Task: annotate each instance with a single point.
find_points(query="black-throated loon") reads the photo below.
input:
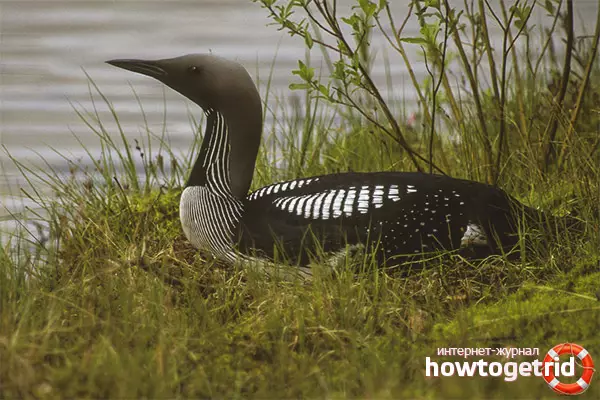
(399, 213)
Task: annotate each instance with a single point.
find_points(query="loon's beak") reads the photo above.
(150, 68)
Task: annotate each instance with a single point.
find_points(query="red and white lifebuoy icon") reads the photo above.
(568, 388)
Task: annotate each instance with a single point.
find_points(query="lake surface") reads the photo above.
(45, 47)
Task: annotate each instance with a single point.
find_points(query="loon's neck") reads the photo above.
(212, 167)
(228, 153)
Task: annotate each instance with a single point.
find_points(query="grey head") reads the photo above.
(210, 81)
(215, 84)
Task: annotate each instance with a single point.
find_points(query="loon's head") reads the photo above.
(218, 86)
(212, 82)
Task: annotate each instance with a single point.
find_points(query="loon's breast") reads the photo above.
(209, 220)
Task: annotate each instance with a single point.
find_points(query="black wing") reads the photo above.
(403, 213)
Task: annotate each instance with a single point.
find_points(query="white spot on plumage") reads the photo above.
(318, 205)
(293, 184)
(473, 235)
(363, 200)
(300, 205)
(410, 189)
(285, 202)
(327, 203)
(337, 203)
(292, 207)
(278, 201)
(285, 186)
(308, 205)
(378, 197)
(363, 195)
(393, 193)
(349, 201)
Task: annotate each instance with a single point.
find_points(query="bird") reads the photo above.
(396, 215)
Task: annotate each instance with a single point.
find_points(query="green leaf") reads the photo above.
(429, 32)
(368, 7)
(414, 40)
(519, 24)
(353, 21)
(306, 73)
(299, 86)
(308, 39)
(324, 90)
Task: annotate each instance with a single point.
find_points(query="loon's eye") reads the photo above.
(194, 69)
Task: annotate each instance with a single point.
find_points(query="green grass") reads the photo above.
(116, 303)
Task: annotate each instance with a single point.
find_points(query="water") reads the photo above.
(45, 46)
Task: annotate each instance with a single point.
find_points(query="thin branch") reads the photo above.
(295, 31)
(316, 21)
(586, 79)
(438, 85)
(382, 103)
(477, 100)
(399, 47)
(549, 40)
(522, 26)
(506, 48)
(558, 100)
(489, 51)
